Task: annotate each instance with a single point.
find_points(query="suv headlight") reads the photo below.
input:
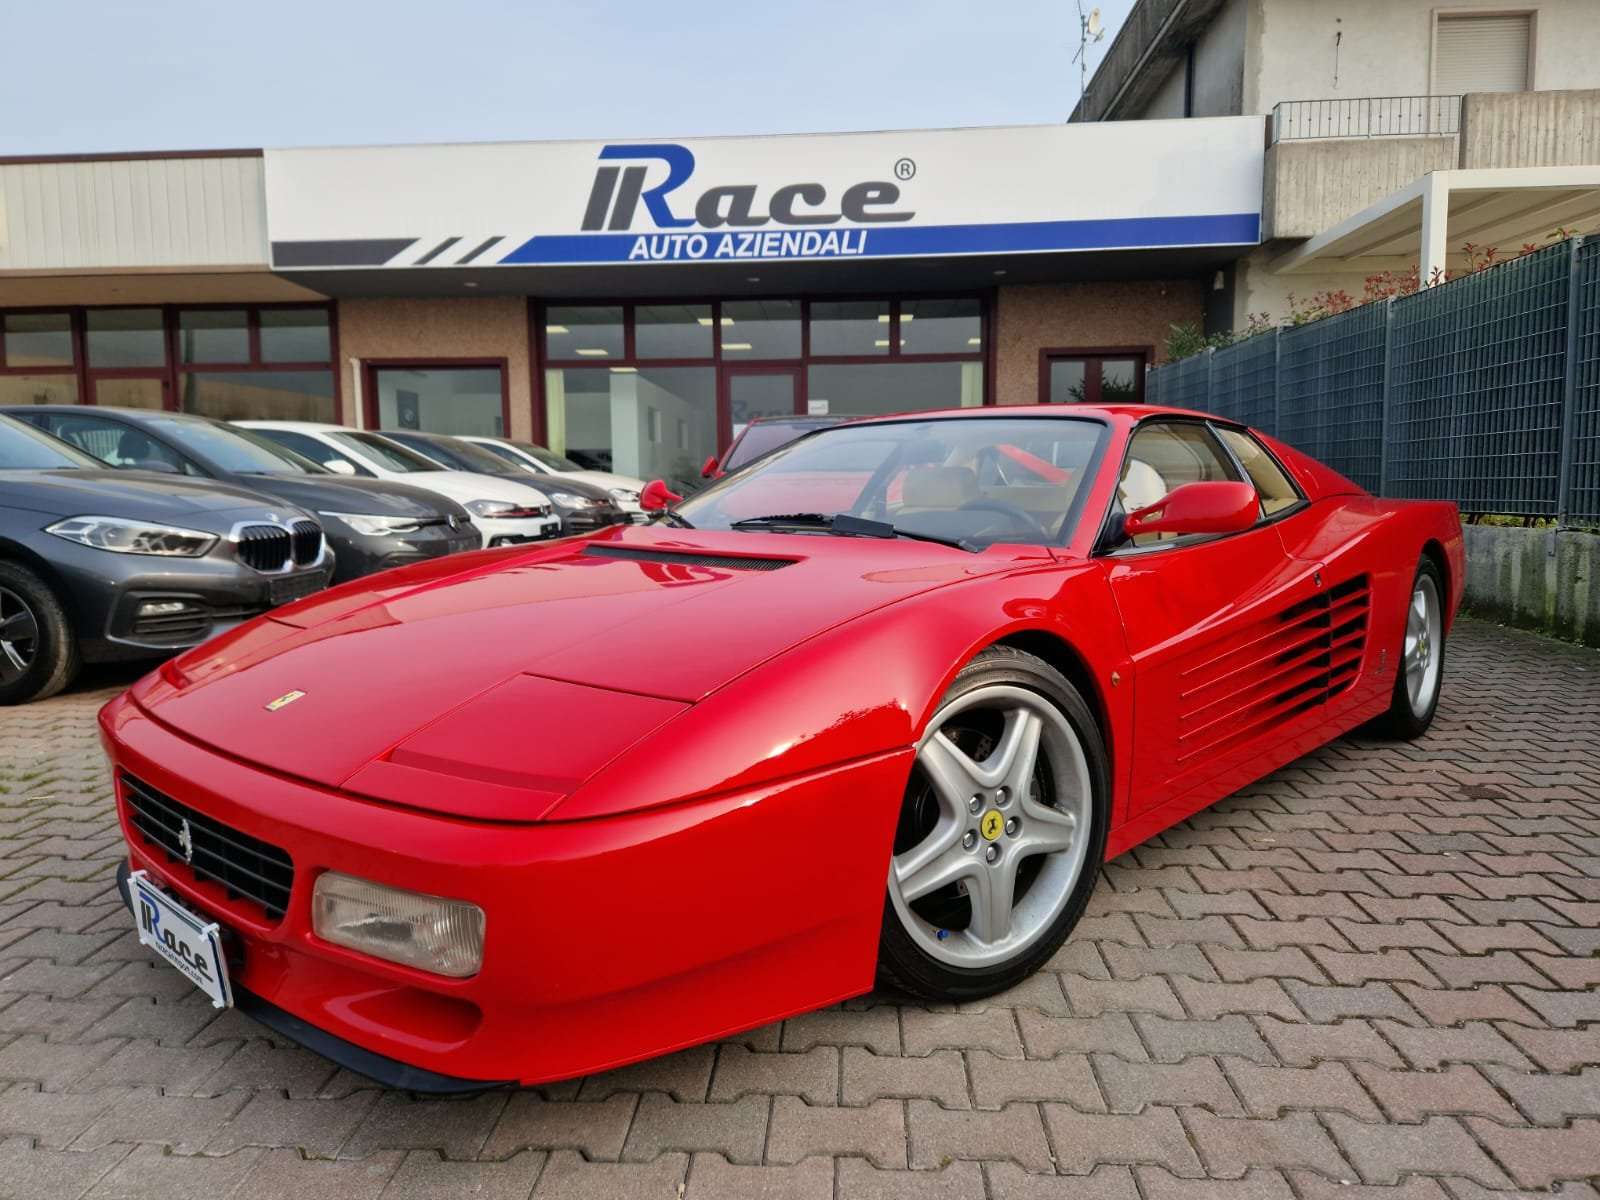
(134, 537)
(625, 495)
(373, 524)
(430, 933)
(568, 500)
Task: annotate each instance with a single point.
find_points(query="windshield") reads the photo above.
(970, 479)
(24, 448)
(464, 456)
(389, 455)
(548, 457)
(233, 450)
(762, 436)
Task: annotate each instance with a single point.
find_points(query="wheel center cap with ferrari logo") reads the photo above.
(991, 825)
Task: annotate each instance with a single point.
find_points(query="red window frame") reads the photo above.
(542, 361)
(171, 370)
(369, 382)
(1093, 358)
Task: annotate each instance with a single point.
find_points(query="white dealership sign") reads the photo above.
(1028, 189)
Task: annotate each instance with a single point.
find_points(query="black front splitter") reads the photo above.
(390, 1072)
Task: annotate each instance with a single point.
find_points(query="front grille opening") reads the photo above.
(246, 868)
(264, 547)
(728, 562)
(307, 539)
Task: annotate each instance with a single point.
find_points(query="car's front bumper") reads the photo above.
(104, 592)
(360, 554)
(607, 940)
(514, 531)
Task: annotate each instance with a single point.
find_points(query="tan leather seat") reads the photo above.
(1141, 486)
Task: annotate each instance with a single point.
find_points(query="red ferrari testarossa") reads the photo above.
(875, 707)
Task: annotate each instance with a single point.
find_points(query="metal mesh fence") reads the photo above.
(1188, 383)
(1464, 392)
(1476, 374)
(1331, 399)
(1244, 376)
(1583, 443)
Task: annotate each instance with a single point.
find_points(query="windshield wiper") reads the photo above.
(672, 518)
(846, 525)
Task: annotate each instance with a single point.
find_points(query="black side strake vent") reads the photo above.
(727, 562)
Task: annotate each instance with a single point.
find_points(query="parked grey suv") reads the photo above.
(372, 524)
(99, 565)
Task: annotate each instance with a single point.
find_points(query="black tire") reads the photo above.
(51, 653)
(905, 966)
(1402, 722)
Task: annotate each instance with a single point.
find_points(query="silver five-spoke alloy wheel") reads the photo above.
(1009, 831)
(1423, 644)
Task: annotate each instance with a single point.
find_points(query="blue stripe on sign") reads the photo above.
(858, 241)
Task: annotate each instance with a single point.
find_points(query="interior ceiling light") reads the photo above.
(556, 329)
(593, 352)
(736, 345)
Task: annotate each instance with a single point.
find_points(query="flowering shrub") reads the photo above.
(1186, 340)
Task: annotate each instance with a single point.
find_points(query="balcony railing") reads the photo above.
(1366, 116)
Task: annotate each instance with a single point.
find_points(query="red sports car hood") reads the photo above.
(528, 671)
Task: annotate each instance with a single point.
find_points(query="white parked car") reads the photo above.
(624, 489)
(505, 510)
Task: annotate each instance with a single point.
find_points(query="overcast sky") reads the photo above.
(109, 75)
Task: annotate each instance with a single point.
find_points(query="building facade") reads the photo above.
(630, 305)
(1363, 101)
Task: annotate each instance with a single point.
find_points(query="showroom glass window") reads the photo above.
(1093, 377)
(270, 363)
(218, 360)
(38, 358)
(656, 388)
(455, 398)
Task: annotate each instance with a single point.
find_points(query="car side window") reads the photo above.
(118, 444)
(1162, 456)
(1275, 488)
(320, 453)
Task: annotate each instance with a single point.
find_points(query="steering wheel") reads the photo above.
(1027, 520)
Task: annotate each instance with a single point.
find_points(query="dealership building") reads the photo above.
(633, 303)
(630, 304)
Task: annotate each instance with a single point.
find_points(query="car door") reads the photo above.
(1218, 629)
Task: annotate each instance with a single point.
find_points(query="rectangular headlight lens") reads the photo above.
(426, 932)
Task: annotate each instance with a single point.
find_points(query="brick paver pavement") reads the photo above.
(1375, 975)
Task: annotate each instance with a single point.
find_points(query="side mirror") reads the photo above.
(1217, 507)
(709, 471)
(657, 496)
(339, 466)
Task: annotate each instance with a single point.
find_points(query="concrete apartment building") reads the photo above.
(1398, 131)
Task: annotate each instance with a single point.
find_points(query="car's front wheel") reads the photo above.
(1001, 834)
(38, 656)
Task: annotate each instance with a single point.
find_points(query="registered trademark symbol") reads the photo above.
(904, 168)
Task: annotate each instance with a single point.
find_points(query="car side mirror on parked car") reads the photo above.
(339, 466)
(709, 471)
(1210, 507)
(657, 496)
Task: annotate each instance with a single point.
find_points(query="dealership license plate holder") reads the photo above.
(191, 945)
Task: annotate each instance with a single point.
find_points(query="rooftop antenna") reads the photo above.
(1090, 30)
